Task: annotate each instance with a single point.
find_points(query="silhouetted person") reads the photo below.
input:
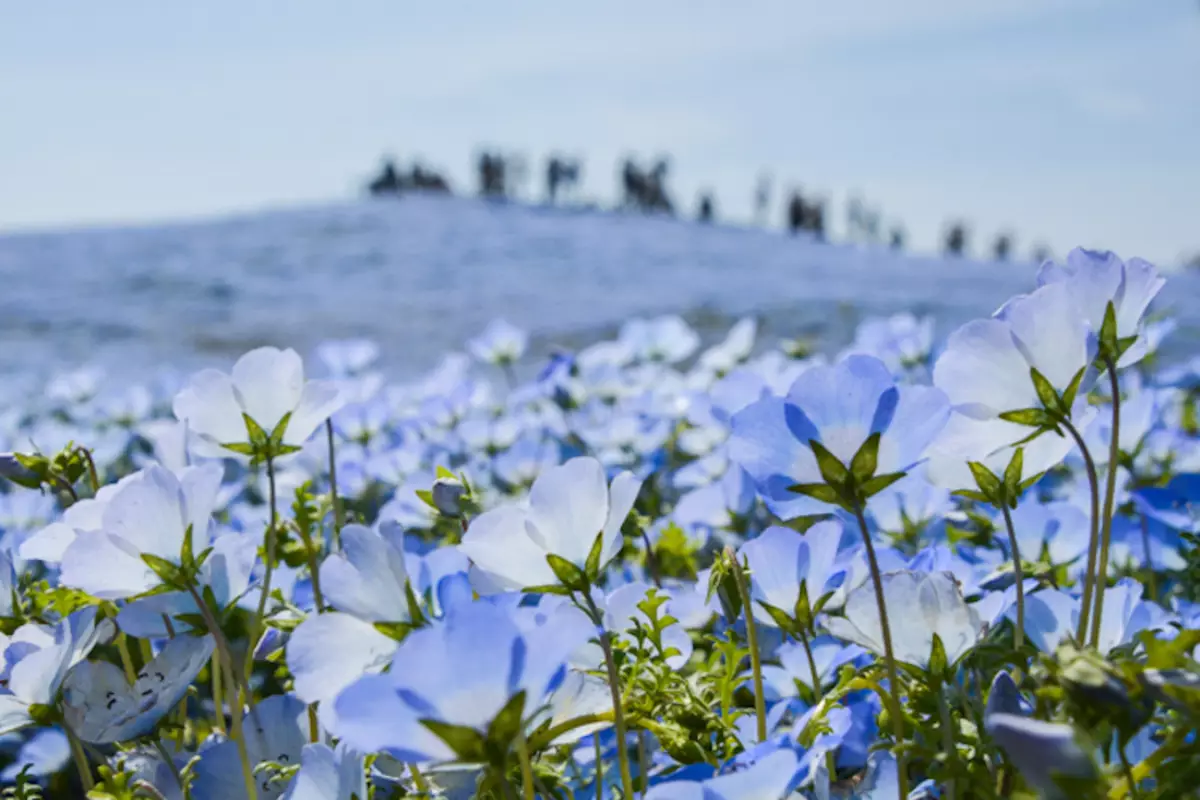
(896, 238)
(656, 197)
(388, 180)
(762, 198)
(1002, 247)
(956, 239)
(1041, 254)
(491, 175)
(815, 219)
(795, 213)
(633, 184)
(705, 212)
(553, 178)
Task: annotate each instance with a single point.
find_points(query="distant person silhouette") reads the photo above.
(896, 238)
(956, 240)
(388, 180)
(762, 199)
(796, 213)
(705, 212)
(1002, 247)
(1041, 254)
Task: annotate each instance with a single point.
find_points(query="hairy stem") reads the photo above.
(889, 653)
(1094, 534)
(614, 684)
(256, 624)
(1110, 489)
(1019, 574)
(760, 705)
(81, 762)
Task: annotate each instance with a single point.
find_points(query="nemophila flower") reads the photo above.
(911, 504)
(791, 572)
(226, 572)
(771, 778)
(500, 343)
(901, 341)
(732, 350)
(1026, 366)
(1051, 615)
(1042, 751)
(1176, 505)
(276, 731)
(101, 706)
(1058, 529)
(622, 616)
(570, 507)
(151, 514)
(328, 773)
(455, 678)
(267, 386)
(37, 660)
(834, 411)
(828, 655)
(667, 338)
(1094, 279)
(347, 357)
(43, 754)
(923, 605)
(367, 582)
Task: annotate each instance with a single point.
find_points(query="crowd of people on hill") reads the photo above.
(643, 188)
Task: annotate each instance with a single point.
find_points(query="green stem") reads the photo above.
(93, 477)
(614, 683)
(947, 739)
(1094, 534)
(543, 740)
(126, 659)
(314, 568)
(256, 624)
(1128, 770)
(1019, 574)
(526, 767)
(218, 693)
(170, 763)
(760, 705)
(812, 667)
(338, 513)
(81, 762)
(419, 781)
(643, 763)
(889, 654)
(1110, 489)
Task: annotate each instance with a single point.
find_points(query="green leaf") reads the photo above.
(258, 437)
(506, 725)
(1108, 330)
(547, 588)
(426, 497)
(1045, 391)
(1012, 474)
(592, 565)
(168, 572)
(971, 494)
(394, 630)
(782, 620)
(988, 483)
(862, 466)
(1030, 481)
(276, 440)
(878, 484)
(1073, 389)
(468, 744)
(241, 448)
(818, 491)
(833, 471)
(442, 472)
(1033, 417)
(567, 573)
(937, 658)
(1124, 344)
(186, 556)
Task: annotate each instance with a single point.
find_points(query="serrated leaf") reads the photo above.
(863, 465)
(878, 484)
(988, 483)
(833, 471)
(468, 744)
(1045, 391)
(1012, 474)
(567, 573)
(818, 491)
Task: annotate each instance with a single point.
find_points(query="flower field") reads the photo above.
(959, 568)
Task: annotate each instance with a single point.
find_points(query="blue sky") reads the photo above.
(1068, 121)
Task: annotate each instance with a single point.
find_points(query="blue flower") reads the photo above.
(327, 773)
(838, 407)
(769, 779)
(1042, 751)
(276, 730)
(500, 343)
(461, 672)
(782, 561)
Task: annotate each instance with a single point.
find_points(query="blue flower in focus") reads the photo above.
(771, 778)
(783, 562)
(838, 407)
(328, 773)
(461, 672)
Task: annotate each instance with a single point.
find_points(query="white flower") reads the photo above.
(267, 385)
(568, 507)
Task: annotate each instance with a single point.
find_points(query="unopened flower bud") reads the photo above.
(447, 496)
